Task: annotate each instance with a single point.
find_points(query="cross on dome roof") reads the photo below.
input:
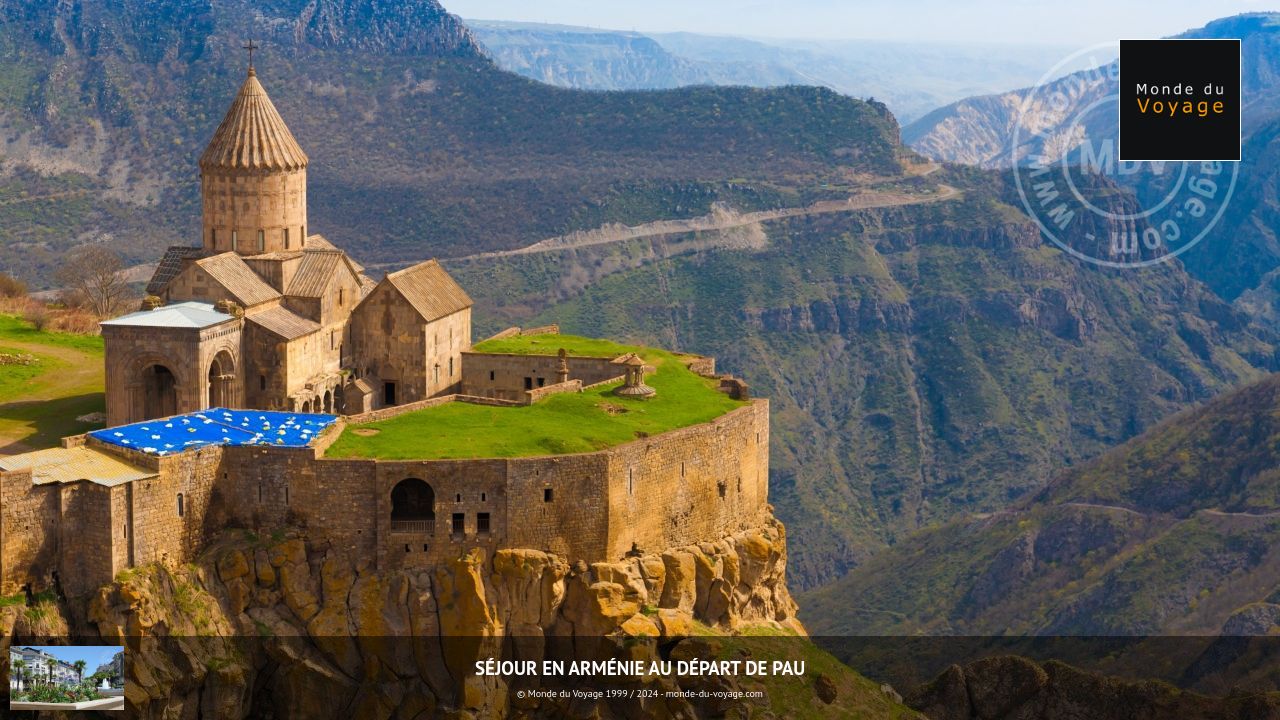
(253, 136)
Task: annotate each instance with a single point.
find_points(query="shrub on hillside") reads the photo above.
(11, 287)
(38, 315)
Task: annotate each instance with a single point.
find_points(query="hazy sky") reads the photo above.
(1040, 22)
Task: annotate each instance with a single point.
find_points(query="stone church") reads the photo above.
(264, 314)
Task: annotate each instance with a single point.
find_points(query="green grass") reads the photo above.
(551, 344)
(40, 403)
(566, 423)
(15, 380)
(15, 328)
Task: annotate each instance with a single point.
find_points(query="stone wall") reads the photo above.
(508, 376)
(688, 485)
(28, 532)
(680, 488)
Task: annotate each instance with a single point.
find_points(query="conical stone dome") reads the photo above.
(253, 136)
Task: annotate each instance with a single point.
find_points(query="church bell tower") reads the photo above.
(253, 179)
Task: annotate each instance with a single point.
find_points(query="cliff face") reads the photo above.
(295, 626)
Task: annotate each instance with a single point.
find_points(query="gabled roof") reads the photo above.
(280, 321)
(170, 265)
(178, 315)
(318, 242)
(430, 290)
(233, 273)
(253, 136)
(314, 273)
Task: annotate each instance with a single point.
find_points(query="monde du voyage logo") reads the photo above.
(1132, 162)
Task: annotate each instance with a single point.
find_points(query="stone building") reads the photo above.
(263, 314)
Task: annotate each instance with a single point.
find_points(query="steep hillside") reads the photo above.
(922, 360)
(1174, 533)
(419, 146)
(979, 130)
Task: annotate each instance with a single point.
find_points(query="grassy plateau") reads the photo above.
(565, 423)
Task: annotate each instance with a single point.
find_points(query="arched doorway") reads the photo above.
(339, 403)
(222, 380)
(159, 392)
(328, 401)
(306, 406)
(413, 507)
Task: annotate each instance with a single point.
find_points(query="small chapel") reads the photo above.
(265, 314)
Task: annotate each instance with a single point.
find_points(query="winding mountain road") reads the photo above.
(720, 218)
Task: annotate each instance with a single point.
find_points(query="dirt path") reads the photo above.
(85, 368)
(719, 218)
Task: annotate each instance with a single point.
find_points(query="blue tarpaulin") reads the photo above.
(217, 426)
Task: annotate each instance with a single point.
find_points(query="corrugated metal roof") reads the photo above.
(430, 290)
(253, 136)
(283, 322)
(234, 274)
(64, 465)
(178, 315)
(314, 273)
(170, 265)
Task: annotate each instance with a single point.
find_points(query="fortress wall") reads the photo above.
(465, 487)
(159, 532)
(84, 527)
(340, 503)
(266, 487)
(691, 485)
(500, 375)
(28, 532)
(574, 522)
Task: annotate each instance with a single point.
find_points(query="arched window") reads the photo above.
(413, 507)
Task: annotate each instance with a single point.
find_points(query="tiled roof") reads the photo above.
(231, 271)
(63, 465)
(430, 290)
(318, 242)
(170, 265)
(283, 322)
(178, 315)
(314, 272)
(253, 136)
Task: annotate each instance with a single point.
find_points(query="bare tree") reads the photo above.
(97, 275)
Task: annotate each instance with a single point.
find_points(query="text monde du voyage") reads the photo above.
(1181, 99)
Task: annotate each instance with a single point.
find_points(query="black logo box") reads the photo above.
(1190, 64)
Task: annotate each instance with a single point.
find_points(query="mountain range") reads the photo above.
(911, 78)
(929, 356)
(421, 147)
(1176, 532)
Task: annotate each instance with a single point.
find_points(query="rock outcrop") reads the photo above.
(301, 628)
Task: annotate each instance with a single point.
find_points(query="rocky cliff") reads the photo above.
(289, 625)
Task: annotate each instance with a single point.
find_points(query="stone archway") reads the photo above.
(222, 379)
(339, 400)
(159, 389)
(413, 507)
(328, 401)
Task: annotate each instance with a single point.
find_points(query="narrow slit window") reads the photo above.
(181, 509)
